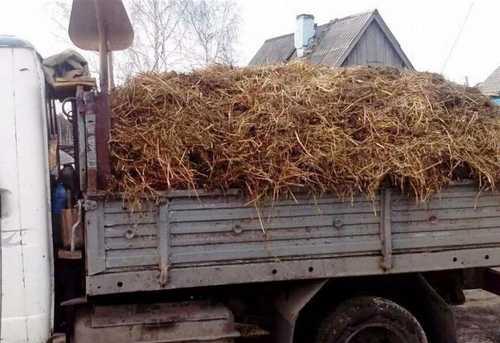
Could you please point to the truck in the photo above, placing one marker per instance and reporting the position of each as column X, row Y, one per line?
column 197, row 266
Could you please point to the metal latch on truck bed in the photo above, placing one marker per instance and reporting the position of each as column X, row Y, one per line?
column 89, row 205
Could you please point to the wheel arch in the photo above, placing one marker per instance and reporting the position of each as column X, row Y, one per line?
column 411, row 291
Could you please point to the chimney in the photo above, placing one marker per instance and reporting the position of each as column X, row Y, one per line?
column 304, row 31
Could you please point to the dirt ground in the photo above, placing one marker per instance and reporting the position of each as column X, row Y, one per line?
column 478, row 320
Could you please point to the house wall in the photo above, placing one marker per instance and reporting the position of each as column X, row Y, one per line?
column 374, row 48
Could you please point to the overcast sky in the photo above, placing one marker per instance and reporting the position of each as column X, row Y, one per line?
column 426, row 29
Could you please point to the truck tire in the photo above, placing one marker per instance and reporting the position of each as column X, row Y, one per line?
column 370, row 320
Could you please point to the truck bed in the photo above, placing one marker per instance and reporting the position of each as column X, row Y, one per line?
column 203, row 239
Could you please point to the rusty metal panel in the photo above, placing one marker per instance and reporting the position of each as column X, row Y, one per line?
column 102, row 128
column 161, row 322
column 119, row 315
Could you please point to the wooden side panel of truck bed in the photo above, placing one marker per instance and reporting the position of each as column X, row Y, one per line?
column 201, row 240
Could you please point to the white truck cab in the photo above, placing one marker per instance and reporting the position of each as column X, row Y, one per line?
column 25, row 222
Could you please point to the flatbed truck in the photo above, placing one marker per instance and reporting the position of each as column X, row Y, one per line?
column 196, row 266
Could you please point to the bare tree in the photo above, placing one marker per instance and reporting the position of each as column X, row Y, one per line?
column 212, row 27
column 158, row 35
column 181, row 34
column 60, row 10
column 171, row 34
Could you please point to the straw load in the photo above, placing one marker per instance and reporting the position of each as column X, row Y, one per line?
column 273, row 131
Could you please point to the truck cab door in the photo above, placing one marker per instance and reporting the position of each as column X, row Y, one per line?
column 25, row 228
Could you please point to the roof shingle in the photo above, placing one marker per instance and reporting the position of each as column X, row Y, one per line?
column 275, row 50
column 338, row 38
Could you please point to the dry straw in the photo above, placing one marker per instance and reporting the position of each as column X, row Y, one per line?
column 274, row 130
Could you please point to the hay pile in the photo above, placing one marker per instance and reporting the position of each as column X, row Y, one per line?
column 271, row 131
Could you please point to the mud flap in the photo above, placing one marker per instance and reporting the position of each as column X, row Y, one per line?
column 439, row 320
column 492, row 281
column 288, row 306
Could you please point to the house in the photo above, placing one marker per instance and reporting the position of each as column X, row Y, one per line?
column 358, row 39
column 491, row 86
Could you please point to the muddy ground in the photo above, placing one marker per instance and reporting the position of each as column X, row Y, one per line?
column 478, row 320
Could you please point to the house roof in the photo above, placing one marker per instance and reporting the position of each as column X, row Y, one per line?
column 332, row 44
column 491, row 86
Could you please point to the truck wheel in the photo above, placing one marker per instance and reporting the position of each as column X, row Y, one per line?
column 370, row 320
